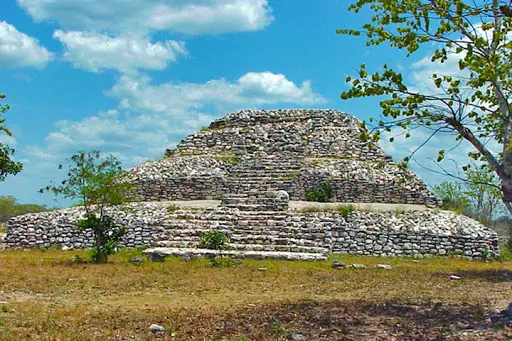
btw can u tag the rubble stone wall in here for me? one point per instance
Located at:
(417, 233)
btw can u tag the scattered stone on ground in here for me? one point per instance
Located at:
(136, 259)
(338, 264)
(155, 328)
(383, 266)
(296, 337)
(358, 266)
(156, 257)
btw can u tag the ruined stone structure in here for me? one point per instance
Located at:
(253, 163)
(291, 150)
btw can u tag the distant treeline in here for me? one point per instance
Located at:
(9, 207)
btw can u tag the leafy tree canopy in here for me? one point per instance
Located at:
(8, 166)
(474, 104)
(97, 182)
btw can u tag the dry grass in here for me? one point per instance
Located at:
(47, 296)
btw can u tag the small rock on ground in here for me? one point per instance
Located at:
(358, 266)
(296, 337)
(156, 257)
(338, 264)
(137, 259)
(383, 266)
(155, 328)
(454, 277)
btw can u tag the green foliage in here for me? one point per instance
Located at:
(98, 183)
(220, 262)
(9, 207)
(8, 166)
(505, 254)
(215, 240)
(205, 129)
(483, 189)
(453, 197)
(346, 210)
(322, 193)
(172, 208)
(106, 234)
(474, 105)
(229, 158)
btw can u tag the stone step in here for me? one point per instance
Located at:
(194, 243)
(287, 248)
(161, 252)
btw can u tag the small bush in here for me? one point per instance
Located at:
(322, 193)
(172, 208)
(215, 240)
(205, 129)
(220, 262)
(505, 254)
(346, 210)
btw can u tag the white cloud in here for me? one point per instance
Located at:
(250, 90)
(20, 50)
(144, 16)
(130, 137)
(7, 139)
(96, 52)
(151, 118)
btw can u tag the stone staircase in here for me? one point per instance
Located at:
(253, 215)
(263, 173)
(251, 233)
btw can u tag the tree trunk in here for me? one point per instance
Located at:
(506, 187)
(101, 257)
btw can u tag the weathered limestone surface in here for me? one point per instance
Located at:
(291, 150)
(255, 162)
(417, 233)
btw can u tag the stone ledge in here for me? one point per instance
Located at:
(159, 253)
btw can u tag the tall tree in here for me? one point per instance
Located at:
(474, 106)
(8, 166)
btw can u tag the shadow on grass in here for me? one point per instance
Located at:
(493, 276)
(357, 320)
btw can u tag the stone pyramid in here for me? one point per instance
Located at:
(295, 150)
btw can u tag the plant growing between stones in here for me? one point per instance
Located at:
(172, 208)
(322, 193)
(98, 182)
(215, 240)
(346, 210)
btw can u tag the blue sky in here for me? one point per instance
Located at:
(135, 79)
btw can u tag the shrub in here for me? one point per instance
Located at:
(322, 193)
(346, 210)
(215, 240)
(172, 208)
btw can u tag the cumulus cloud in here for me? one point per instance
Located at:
(250, 90)
(131, 137)
(151, 118)
(20, 50)
(144, 16)
(96, 52)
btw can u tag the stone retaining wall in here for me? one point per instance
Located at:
(419, 234)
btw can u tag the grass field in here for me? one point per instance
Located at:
(45, 295)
